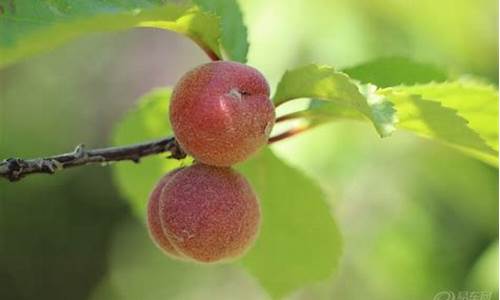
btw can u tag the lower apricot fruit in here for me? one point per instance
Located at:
(208, 214)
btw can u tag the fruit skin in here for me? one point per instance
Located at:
(209, 214)
(153, 218)
(221, 112)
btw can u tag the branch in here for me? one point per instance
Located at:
(14, 169)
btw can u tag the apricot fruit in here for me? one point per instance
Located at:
(153, 218)
(221, 113)
(209, 214)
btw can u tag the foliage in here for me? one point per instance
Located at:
(233, 31)
(463, 114)
(390, 71)
(391, 93)
(30, 27)
(325, 83)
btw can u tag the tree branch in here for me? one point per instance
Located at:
(14, 169)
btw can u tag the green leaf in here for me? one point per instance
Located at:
(324, 83)
(461, 114)
(148, 121)
(28, 27)
(299, 242)
(391, 71)
(234, 32)
(474, 101)
(431, 119)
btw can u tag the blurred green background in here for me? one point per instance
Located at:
(417, 218)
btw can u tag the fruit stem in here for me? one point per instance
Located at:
(289, 133)
(209, 52)
(288, 117)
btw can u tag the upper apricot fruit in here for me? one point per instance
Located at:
(221, 112)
